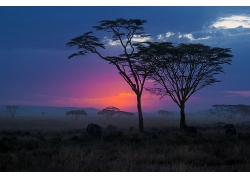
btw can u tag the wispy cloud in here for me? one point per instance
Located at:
(237, 93)
(168, 34)
(191, 37)
(223, 29)
(136, 38)
(232, 21)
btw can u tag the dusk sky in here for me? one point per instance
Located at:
(35, 69)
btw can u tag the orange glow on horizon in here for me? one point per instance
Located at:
(125, 101)
(122, 101)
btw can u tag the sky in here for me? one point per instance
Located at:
(35, 69)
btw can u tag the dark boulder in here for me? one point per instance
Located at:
(94, 130)
(229, 129)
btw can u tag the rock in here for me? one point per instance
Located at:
(229, 129)
(94, 130)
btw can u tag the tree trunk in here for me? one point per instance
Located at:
(183, 118)
(141, 128)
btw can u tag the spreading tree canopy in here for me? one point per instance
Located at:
(128, 33)
(184, 69)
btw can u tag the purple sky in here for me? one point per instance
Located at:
(35, 70)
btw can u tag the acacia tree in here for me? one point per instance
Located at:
(76, 113)
(124, 113)
(11, 110)
(219, 108)
(165, 113)
(128, 33)
(109, 112)
(244, 110)
(185, 69)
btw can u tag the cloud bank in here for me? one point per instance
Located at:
(225, 28)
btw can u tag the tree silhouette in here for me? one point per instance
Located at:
(185, 69)
(109, 112)
(11, 110)
(124, 113)
(244, 110)
(210, 113)
(112, 108)
(76, 113)
(165, 113)
(232, 110)
(219, 108)
(128, 33)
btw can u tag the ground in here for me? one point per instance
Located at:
(61, 144)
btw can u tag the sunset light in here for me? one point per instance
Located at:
(137, 88)
(36, 70)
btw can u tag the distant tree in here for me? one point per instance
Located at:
(185, 69)
(210, 113)
(128, 34)
(219, 109)
(76, 113)
(165, 113)
(244, 110)
(109, 112)
(43, 113)
(112, 108)
(232, 110)
(241, 109)
(106, 113)
(124, 113)
(11, 110)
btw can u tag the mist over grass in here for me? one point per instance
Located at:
(61, 144)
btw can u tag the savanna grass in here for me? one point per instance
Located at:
(72, 150)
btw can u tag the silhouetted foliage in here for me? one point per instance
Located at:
(109, 112)
(165, 113)
(124, 113)
(210, 113)
(231, 111)
(219, 109)
(184, 69)
(11, 110)
(112, 108)
(131, 65)
(76, 113)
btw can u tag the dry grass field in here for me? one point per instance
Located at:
(60, 144)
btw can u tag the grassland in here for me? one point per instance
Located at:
(60, 144)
